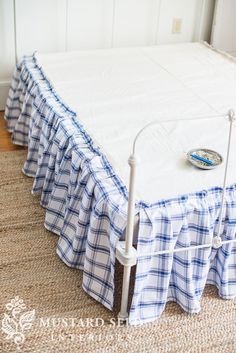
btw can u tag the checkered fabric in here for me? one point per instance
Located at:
(181, 277)
(86, 205)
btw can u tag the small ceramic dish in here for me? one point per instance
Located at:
(198, 155)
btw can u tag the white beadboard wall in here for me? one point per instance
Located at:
(60, 25)
(224, 27)
(7, 48)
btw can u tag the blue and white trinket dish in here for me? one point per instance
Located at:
(204, 158)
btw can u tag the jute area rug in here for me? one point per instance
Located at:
(57, 316)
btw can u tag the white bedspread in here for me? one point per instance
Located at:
(117, 91)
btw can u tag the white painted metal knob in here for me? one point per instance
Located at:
(216, 242)
(133, 160)
(232, 116)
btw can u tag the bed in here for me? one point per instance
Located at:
(79, 112)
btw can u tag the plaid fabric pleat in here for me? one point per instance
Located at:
(181, 277)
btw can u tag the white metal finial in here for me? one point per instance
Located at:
(231, 115)
(133, 160)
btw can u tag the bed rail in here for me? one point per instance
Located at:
(125, 252)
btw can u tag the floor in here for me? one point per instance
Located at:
(5, 137)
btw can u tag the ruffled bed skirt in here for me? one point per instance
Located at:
(86, 205)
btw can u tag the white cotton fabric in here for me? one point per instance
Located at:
(117, 91)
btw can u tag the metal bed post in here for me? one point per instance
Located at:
(125, 252)
(217, 241)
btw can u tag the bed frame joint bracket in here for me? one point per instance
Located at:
(126, 259)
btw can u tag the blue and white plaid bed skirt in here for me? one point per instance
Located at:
(86, 205)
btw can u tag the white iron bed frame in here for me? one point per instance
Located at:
(126, 254)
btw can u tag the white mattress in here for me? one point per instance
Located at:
(117, 91)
